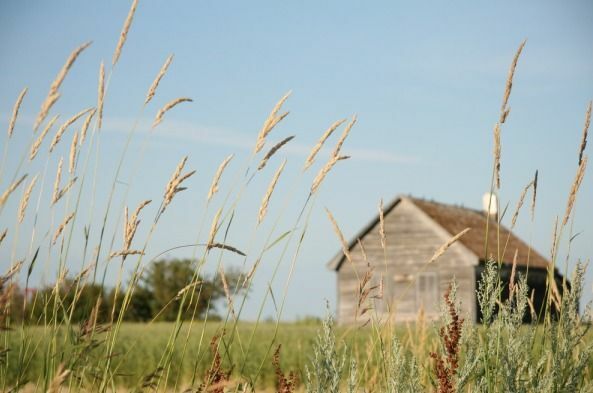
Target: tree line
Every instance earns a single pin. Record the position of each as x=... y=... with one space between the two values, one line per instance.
x=155 y=297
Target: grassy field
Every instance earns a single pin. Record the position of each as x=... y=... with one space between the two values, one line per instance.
x=140 y=347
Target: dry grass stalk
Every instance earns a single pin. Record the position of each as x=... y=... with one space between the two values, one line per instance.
x=226 y=247
x=448 y=244
x=585 y=131
x=131 y=224
x=37 y=144
x=214 y=228
x=216 y=179
x=497 y=154
x=3 y=235
x=227 y=292
x=61 y=227
x=311 y=158
x=520 y=204
x=53 y=95
x=575 y=189
x=364 y=290
x=57 y=182
x=124 y=33
x=157 y=80
x=12 y=271
x=362 y=250
x=273 y=119
x=25 y=199
x=338 y=232
x=513 y=272
x=343 y=137
x=59 y=378
x=273 y=151
x=382 y=226
x=11 y=189
x=100 y=96
x=504 y=109
x=125 y=253
x=187 y=288
x=173 y=186
x=85 y=125
x=64 y=190
x=263 y=208
x=534 y=195
x=65 y=126
x=168 y=106
x=15 y=111
x=72 y=157
x=324 y=171
x=554 y=239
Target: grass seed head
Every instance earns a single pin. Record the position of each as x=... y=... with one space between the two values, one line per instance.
x=272 y=120
x=216 y=179
x=273 y=151
x=311 y=158
x=168 y=106
x=25 y=199
x=263 y=208
x=15 y=111
x=100 y=96
x=53 y=95
x=124 y=33
x=157 y=80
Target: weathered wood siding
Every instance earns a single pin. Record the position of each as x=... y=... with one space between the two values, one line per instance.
x=409 y=283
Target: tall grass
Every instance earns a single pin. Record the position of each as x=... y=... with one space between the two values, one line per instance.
x=50 y=351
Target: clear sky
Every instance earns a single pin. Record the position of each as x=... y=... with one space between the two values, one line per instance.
x=425 y=79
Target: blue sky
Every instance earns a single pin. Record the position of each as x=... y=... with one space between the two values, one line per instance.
x=425 y=79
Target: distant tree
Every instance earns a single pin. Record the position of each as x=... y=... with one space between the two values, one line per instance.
x=75 y=302
x=164 y=280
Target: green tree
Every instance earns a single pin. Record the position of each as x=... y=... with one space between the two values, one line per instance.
x=164 y=280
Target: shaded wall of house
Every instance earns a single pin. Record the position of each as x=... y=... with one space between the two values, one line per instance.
x=409 y=283
x=536 y=281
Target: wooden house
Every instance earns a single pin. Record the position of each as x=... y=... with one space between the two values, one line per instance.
x=414 y=230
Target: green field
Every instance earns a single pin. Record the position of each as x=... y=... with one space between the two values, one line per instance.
x=139 y=348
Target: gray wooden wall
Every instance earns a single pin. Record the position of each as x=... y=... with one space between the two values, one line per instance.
x=409 y=283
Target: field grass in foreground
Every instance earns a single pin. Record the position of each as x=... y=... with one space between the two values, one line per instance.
x=140 y=347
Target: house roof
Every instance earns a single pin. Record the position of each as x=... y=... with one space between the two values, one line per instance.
x=453 y=219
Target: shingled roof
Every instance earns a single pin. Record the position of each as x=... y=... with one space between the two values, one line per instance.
x=454 y=219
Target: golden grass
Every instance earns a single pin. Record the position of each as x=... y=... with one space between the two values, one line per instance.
x=263 y=208
x=216 y=179
x=53 y=95
x=25 y=199
x=271 y=121
x=157 y=80
x=124 y=33
x=311 y=157
x=58 y=136
x=86 y=124
x=72 y=156
x=585 y=131
x=37 y=144
x=442 y=249
x=173 y=186
x=100 y=96
x=60 y=229
x=15 y=111
x=168 y=106
x=11 y=188
x=574 y=189
x=273 y=151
